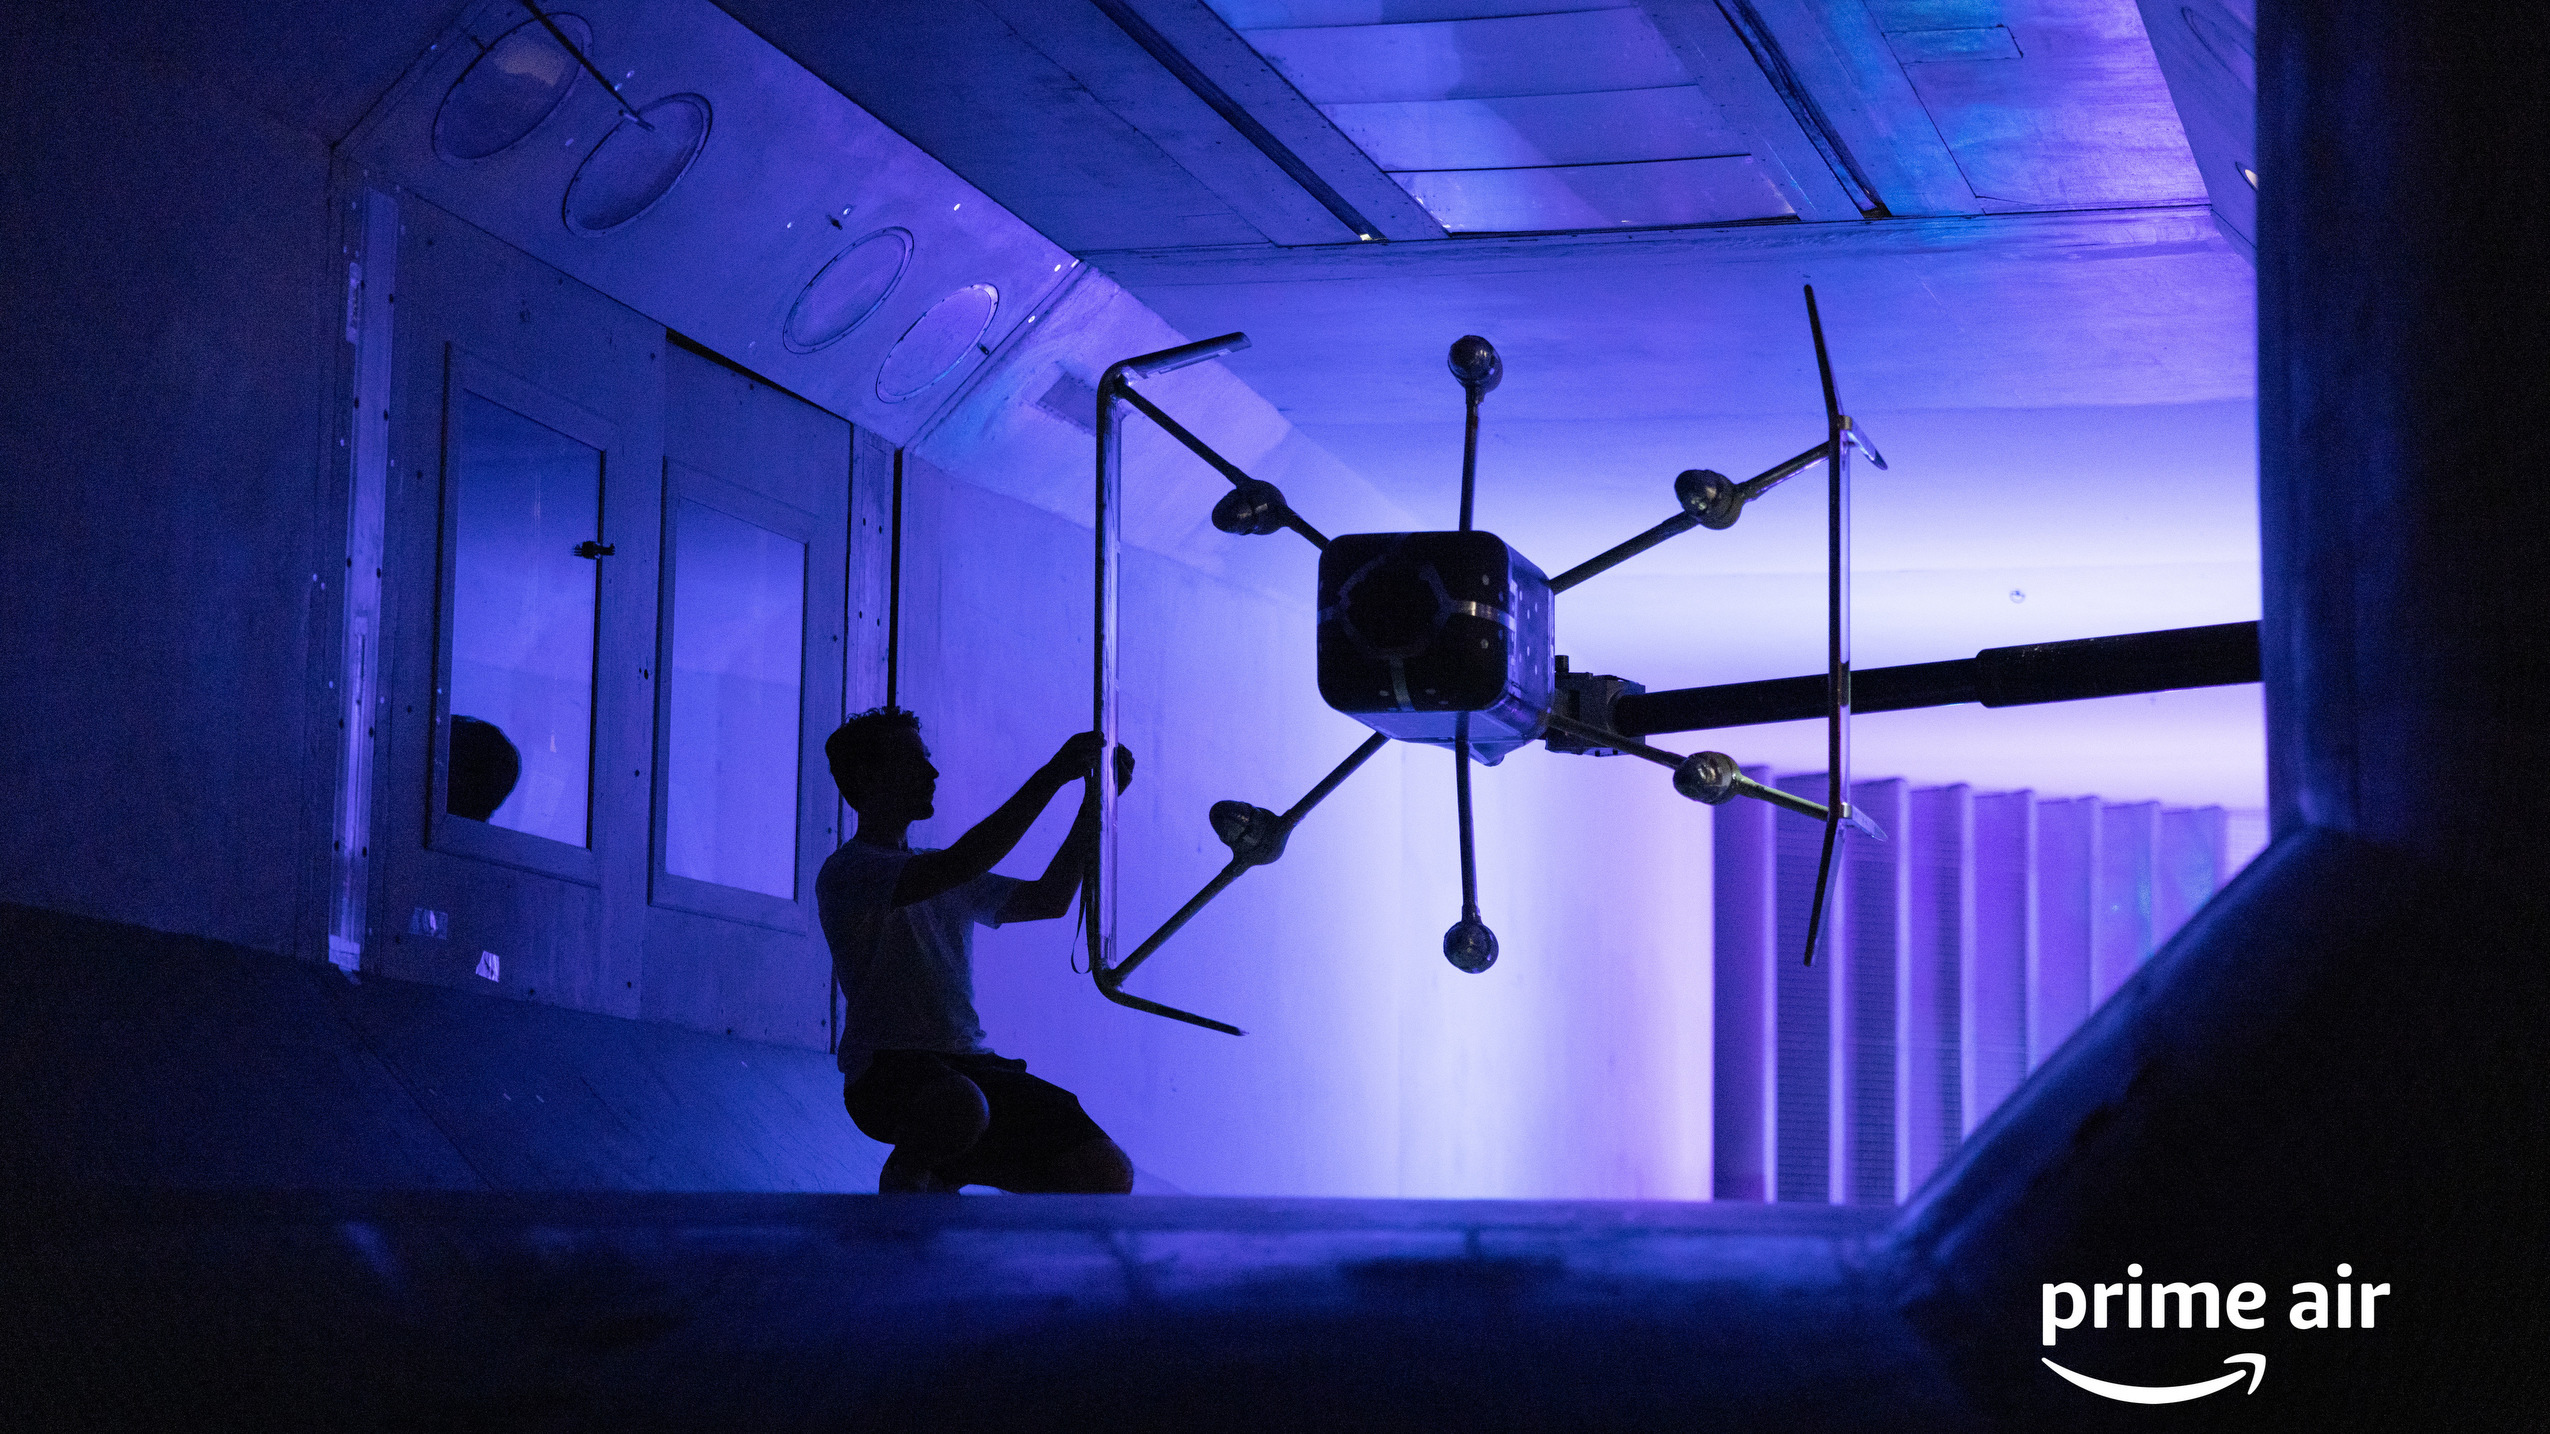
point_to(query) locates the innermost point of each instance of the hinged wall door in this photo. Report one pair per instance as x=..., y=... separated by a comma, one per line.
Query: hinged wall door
x=616, y=596
x=510, y=828
x=750, y=639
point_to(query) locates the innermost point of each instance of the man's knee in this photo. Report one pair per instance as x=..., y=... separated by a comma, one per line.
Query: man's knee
x=947, y=1113
x=1097, y=1166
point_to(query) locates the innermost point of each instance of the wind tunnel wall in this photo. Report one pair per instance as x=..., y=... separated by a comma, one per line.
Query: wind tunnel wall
x=2339, y=1063
x=175, y=516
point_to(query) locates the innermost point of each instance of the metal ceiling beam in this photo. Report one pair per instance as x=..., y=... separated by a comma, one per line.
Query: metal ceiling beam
x=1745, y=76
x=1122, y=75
x=1838, y=55
x=2162, y=228
x=1207, y=55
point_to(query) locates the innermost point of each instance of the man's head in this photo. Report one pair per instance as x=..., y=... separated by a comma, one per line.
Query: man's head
x=881, y=766
x=485, y=767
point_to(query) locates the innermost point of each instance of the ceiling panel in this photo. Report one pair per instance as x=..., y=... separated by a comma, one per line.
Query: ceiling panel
x=1717, y=190
x=1676, y=122
x=1045, y=116
x=1571, y=53
x=2060, y=105
x=1969, y=42
x=1277, y=14
x=1525, y=123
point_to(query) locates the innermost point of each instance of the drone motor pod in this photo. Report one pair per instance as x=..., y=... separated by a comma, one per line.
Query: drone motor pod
x=1253, y=508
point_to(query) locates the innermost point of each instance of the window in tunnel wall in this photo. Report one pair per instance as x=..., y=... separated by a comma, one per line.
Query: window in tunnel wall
x=734, y=640
x=749, y=651
x=522, y=521
x=620, y=566
x=522, y=623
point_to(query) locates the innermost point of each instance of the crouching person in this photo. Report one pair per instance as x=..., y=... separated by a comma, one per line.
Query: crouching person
x=917, y=1075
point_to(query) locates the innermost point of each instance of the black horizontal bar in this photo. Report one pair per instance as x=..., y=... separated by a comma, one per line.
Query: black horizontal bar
x=2216, y=656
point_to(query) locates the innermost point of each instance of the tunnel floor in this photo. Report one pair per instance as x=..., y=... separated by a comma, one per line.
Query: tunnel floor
x=243, y=1191
x=639, y=1311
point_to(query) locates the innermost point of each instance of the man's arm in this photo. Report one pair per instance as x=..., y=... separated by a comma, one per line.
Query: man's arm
x=932, y=872
x=1049, y=896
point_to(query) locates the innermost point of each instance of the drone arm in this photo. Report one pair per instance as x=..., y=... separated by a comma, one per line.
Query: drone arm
x=1730, y=782
x=1110, y=979
x=550, y=24
x=1771, y=477
x=1221, y=881
x=1610, y=558
x=1708, y=505
x=1838, y=434
x=1216, y=461
x=1461, y=800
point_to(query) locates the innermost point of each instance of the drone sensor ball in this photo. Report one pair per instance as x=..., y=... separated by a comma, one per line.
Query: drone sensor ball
x=1470, y=945
x=1473, y=360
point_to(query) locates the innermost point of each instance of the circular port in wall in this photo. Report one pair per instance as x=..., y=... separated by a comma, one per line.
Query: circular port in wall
x=636, y=164
x=512, y=87
x=937, y=342
x=846, y=291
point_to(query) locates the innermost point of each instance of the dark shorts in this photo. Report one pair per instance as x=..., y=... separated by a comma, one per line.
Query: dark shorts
x=1033, y=1120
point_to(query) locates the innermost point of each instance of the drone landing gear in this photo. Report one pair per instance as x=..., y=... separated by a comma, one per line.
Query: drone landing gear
x=1469, y=944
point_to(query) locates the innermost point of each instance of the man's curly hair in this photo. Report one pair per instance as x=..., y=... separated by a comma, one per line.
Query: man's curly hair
x=855, y=744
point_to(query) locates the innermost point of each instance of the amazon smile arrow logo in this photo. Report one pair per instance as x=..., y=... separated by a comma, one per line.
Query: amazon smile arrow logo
x=2170, y=1393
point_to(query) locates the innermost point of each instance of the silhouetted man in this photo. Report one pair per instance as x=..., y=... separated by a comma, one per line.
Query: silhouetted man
x=917, y=1075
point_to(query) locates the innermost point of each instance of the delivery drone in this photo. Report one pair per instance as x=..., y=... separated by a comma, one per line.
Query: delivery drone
x=1447, y=639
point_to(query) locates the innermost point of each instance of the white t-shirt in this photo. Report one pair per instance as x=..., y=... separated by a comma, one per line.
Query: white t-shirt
x=906, y=973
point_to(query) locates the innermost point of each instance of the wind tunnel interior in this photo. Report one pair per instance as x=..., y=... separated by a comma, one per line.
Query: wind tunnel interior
x=568, y=1142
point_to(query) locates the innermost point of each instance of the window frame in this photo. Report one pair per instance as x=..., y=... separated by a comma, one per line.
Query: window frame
x=461, y=836
x=686, y=482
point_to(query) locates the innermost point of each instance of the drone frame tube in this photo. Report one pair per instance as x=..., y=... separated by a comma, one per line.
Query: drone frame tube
x=1837, y=627
x=1107, y=521
x=1469, y=453
x=1216, y=461
x=1680, y=523
x=550, y=24
x=1461, y=800
x=1233, y=870
x=1744, y=786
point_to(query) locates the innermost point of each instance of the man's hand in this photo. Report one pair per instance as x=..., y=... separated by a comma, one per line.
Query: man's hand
x=1049, y=896
x=1078, y=757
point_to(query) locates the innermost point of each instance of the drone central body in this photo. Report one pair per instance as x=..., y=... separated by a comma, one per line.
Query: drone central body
x=1448, y=639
